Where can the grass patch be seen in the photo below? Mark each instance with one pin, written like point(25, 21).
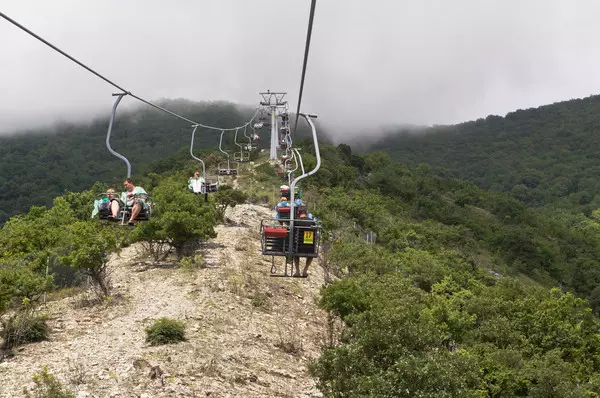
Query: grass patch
point(64, 293)
point(261, 301)
point(165, 331)
point(22, 328)
point(47, 386)
point(192, 263)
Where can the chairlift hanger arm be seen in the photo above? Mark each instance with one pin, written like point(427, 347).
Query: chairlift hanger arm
point(110, 125)
point(192, 152)
point(236, 143)
point(221, 144)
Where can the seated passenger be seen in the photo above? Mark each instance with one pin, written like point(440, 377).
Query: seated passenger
point(297, 266)
point(282, 203)
point(102, 206)
point(303, 213)
point(196, 183)
point(129, 199)
point(284, 190)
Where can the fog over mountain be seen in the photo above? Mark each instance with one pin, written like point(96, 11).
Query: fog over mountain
point(376, 63)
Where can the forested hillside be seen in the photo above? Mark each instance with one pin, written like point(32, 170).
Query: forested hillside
point(36, 167)
point(444, 304)
point(460, 291)
point(546, 155)
point(464, 292)
point(42, 164)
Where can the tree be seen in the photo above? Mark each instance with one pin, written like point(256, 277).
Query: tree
point(179, 219)
point(87, 246)
point(228, 197)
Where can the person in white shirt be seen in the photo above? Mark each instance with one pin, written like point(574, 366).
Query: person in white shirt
point(196, 183)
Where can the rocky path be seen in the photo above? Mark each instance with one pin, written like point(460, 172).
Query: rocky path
point(248, 335)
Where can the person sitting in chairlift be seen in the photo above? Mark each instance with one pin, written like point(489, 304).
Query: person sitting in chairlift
point(297, 266)
point(103, 205)
point(130, 200)
point(282, 203)
point(196, 183)
point(303, 213)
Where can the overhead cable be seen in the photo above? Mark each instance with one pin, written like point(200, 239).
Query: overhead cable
point(308, 35)
point(9, 19)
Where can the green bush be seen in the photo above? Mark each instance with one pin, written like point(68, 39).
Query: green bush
point(165, 331)
point(261, 301)
point(46, 386)
point(181, 220)
point(23, 328)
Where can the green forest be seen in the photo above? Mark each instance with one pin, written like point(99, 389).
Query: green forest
point(465, 291)
point(43, 164)
point(548, 155)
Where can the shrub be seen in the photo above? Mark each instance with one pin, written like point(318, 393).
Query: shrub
point(228, 197)
point(180, 221)
point(46, 386)
point(24, 327)
point(261, 301)
point(165, 331)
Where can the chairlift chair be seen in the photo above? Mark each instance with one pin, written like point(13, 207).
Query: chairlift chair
point(210, 184)
point(252, 137)
point(277, 241)
point(291, 237)
point(221, 166)
point(240, 156)
point(124, 209)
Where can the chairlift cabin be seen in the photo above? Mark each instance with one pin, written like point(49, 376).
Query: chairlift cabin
point(125, 209)
point(288, 236)
point(209, 184)
point(225, 168)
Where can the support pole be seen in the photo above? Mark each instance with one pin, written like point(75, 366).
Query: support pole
point(274, 134)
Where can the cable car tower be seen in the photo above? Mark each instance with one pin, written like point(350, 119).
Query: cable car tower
point(275, 102)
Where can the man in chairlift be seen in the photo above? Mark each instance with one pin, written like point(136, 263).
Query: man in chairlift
point(129, 197)
point(196, 183)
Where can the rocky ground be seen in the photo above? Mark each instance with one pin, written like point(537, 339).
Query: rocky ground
point(248, 335)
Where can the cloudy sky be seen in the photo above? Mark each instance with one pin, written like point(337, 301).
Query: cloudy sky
point(371, 62)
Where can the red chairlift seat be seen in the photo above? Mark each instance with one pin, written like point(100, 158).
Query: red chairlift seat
point(275, 232)
point(284, 213)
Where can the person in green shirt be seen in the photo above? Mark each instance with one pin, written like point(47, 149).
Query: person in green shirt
point(130, 199)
